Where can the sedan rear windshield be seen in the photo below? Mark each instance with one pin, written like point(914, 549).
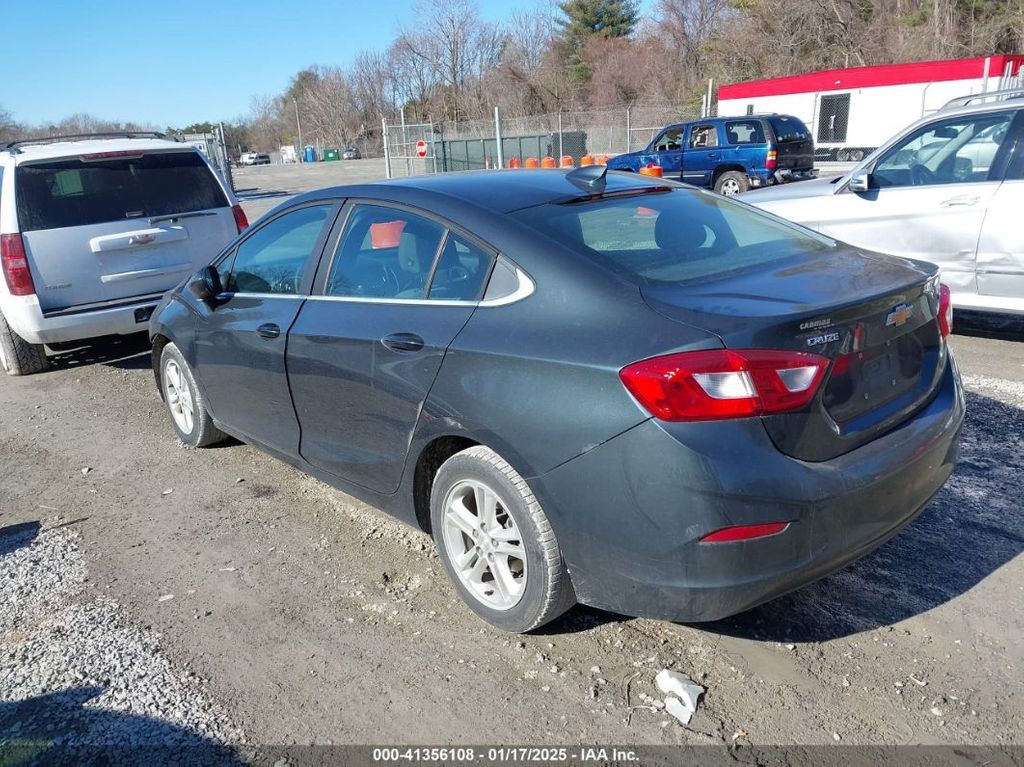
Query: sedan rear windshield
point(789, 129)
point(673, 237)
point(81, 191)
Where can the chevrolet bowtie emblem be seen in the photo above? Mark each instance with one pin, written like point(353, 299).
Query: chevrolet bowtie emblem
point(899, 315)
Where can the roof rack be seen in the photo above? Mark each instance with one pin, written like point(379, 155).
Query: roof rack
point(16, 145)
point(1003, 95)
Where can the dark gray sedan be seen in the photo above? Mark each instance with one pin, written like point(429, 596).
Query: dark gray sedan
point(598, 388)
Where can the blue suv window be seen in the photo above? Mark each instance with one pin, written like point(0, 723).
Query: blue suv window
point(744, 132)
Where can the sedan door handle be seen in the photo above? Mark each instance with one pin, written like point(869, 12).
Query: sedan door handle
point(964, 199)
point(403, 342)
point(269, 330)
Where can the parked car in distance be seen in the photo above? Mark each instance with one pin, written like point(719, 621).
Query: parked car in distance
point(948, 189)
point(729, 154)
point(351, 153)
point(540, 369)
point(94, 229)
point(254, 158)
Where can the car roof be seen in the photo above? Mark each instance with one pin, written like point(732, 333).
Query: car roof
point(501, 191)
point(27, 151)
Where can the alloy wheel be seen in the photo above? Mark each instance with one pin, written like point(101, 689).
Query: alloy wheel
point(730, 187)
point(179, 396)
point(484, 545)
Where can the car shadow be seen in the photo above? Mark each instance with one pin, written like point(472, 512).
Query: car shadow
point(124, 352)
point(255, 193)
point(1007, 327)
point(14, 537)
point(60, 728)
point(969, 531)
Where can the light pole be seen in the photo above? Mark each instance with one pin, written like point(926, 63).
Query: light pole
point(298, 126)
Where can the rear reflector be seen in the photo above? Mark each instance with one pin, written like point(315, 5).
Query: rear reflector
point(744, 532)
point(15, 265)
point(945, 311)
point(724, 383)
point(240, 220)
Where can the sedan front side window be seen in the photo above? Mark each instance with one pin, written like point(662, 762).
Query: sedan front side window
point(273, 259)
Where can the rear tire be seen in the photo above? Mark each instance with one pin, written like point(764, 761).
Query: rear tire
point(732, 182)
point(17, 356)
point(185, 403)
point(496, 543)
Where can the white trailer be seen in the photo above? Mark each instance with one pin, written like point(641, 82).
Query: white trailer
point(851, 112)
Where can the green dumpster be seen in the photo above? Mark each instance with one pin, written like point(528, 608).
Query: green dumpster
point(331, 154)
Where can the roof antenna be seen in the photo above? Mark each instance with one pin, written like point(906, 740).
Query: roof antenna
point(589, 178)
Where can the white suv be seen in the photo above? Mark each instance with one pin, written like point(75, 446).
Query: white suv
point(948, 189)
point(93, 231)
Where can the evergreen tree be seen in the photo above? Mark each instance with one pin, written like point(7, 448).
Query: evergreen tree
point(588, 18)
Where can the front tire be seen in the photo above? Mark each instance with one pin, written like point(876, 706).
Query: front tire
point(17, 356)
point(496, 543)
point(185, 402)
point(732, 182)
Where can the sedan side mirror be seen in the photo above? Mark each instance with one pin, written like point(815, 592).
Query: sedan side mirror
point(860, 181)
point(205, 284)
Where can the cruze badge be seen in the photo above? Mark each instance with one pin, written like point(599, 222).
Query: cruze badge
point(899, 315)
point(824, 338)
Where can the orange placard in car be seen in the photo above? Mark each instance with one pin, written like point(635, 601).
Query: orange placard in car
point(386, 234)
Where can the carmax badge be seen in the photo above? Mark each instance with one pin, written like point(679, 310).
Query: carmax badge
point(899, 315)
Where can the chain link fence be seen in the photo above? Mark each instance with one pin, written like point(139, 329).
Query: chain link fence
point(474, 144)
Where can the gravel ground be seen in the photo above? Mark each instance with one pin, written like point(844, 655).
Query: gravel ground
point(77, 674)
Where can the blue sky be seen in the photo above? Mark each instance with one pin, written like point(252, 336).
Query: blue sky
point(175, 64)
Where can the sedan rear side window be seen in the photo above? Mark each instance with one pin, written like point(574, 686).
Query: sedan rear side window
point(461, 271)
point(673, 237)
point(81, 191)
point(385, 253)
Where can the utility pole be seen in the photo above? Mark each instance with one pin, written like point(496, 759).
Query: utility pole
point(298, 126)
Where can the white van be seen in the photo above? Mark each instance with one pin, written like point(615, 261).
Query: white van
point(93, 231)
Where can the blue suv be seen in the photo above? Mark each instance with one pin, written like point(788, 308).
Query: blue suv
point(729, 154)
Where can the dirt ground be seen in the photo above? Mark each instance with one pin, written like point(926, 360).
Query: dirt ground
point(316, 619)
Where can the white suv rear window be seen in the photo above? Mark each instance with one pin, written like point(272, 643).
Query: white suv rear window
point(80, 191)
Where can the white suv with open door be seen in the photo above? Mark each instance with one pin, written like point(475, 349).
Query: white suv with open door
point(93, 231)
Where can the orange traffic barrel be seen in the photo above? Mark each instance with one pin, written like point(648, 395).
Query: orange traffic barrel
point(515, 162)
point(587, 159)
point(548, 162)
point(532, 162)
point(651, 170)
point(567, 161)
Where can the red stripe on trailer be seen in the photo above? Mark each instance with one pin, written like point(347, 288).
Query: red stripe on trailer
point(873, 77)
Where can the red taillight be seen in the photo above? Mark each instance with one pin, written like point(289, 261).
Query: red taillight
point(724, 383)
point(99, 156)
point(945, 311)
point(15, 265)
point(240, 220)
point(744, 532)
point(773, 159)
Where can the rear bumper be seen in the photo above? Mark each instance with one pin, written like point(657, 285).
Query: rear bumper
point(785, 175)
point(629, 514)
point(26, 319)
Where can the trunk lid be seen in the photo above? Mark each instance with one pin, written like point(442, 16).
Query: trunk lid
point(120, 226)
point(873, 317)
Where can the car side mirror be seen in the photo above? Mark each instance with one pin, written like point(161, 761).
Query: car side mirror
point(205, 284)
point(860, 181)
